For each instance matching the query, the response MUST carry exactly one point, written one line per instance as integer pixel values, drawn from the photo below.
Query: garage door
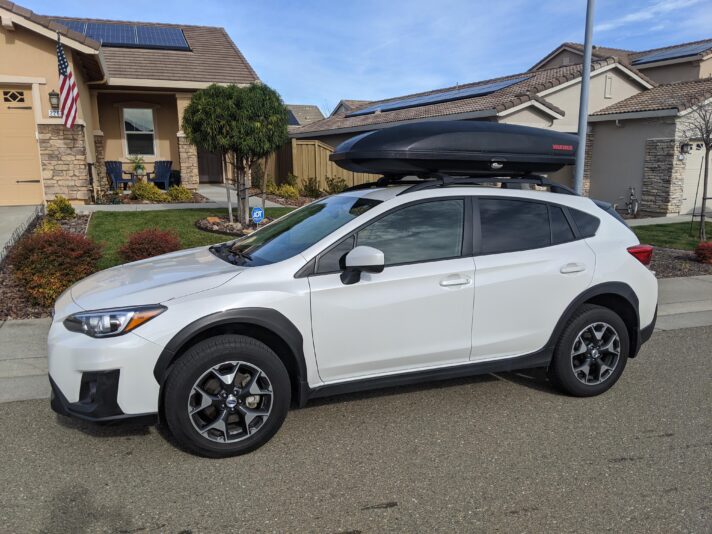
(692, 192)
(19, 156)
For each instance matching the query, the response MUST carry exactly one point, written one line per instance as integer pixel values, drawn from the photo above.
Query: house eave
(651, 114)
(676, 61)
(378, 126)
(164, 84)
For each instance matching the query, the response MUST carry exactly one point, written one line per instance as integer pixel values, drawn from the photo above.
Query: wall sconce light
(685, 148)
(54, 104)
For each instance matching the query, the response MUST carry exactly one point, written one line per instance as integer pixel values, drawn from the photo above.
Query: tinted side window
(421, 232)
(560, 228)
(332, 260)
(587, 224)
(509, 225)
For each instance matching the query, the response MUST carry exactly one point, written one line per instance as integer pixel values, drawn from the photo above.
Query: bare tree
(696, 125)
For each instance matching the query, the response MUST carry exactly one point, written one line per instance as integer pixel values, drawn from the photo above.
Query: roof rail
(440, 180)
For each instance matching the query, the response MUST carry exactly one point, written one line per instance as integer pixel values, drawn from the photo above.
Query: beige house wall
(563, 58)
(529, 116)
(568, 98)
(618, 155)
(110, 108)
(677, 72)
(706, 68)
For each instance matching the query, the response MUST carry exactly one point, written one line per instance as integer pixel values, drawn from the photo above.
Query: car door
(415, 314)
(529, 267)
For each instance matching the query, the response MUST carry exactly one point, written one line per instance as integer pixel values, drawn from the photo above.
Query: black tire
(196, 364)
(562, 368)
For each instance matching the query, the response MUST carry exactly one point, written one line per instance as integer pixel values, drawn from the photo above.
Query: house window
(138, 127)
(13, 96)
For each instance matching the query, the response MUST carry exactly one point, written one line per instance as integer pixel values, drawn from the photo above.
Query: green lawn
(676, 235)
(111, 228)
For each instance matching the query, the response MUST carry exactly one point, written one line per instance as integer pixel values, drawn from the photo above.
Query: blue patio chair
(161, 173)
(115, 172)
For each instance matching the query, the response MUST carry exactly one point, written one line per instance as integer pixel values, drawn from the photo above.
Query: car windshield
(295, 232)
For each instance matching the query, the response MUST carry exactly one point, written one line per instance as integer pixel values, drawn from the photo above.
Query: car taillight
(642, 253)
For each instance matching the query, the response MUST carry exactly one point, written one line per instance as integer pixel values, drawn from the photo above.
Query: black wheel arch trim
(266, 318)
(619, 289)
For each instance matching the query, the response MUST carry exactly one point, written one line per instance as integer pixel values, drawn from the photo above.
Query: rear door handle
(570, 268)
(449, 282)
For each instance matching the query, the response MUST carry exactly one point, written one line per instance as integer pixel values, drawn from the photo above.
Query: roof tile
(675, 96)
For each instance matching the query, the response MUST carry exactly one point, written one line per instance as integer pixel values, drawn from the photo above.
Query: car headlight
(112, 322)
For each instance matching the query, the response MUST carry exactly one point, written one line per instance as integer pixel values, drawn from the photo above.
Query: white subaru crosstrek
(368, 288)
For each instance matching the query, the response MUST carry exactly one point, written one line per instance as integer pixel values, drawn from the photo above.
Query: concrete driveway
(11, 218)
(497, 453)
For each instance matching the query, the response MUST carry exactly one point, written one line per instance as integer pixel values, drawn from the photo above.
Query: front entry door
(209, 167)
(20, 180)
(415, 314)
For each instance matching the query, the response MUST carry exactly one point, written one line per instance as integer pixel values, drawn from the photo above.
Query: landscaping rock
(671, 263)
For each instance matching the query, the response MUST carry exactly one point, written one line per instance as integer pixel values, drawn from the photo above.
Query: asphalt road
(496, 453)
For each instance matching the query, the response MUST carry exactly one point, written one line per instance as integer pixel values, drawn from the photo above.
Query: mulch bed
(14, 303)
(292, 202)
(671, 263)
(221, 225)
(126, 199)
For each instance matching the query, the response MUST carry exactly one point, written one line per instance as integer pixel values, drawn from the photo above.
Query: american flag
(68, 94)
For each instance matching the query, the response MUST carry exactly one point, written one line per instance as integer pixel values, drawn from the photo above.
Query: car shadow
(127, 428)
(531, 378)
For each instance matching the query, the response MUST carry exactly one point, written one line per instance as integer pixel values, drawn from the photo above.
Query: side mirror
(362, 260)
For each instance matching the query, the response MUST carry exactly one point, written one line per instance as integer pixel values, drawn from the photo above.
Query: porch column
(187, 153)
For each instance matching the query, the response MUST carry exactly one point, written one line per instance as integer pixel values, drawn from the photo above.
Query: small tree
(697, 126)
(210, 122)
(262, 129)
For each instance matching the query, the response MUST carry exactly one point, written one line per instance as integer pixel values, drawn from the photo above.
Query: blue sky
(319, 51)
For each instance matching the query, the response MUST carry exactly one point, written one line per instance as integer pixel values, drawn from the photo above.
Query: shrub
(148, 191)
(148, 243)
(178, 193)
(47, 225)
(287, 191)
(704, 252)
(311, 188)
(60, 208)
(291, 179)
(47, 263)
(271, 187)
(335, 185)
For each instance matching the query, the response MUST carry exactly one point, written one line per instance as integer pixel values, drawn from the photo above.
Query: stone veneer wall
(101, 181)
(64, 161)
(188, 155)
(663, 178)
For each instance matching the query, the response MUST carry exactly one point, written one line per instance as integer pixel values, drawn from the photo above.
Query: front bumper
(102, 379)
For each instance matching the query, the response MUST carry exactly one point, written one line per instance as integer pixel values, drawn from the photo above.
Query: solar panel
(130, 35)
(161, 37)
(438, 98)
(112, 34)
(682, 51)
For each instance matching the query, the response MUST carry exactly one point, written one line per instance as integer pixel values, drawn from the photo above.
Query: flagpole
(583, 103)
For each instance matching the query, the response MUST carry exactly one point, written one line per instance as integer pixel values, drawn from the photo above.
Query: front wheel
(591, 353)
(226, 396)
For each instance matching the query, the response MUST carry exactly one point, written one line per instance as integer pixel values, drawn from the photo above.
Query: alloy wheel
(595, 353)
(230, 401)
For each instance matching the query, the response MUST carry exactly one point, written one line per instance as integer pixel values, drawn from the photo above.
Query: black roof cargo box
(457, 148)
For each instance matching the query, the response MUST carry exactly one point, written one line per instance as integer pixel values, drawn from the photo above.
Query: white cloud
(649, 13)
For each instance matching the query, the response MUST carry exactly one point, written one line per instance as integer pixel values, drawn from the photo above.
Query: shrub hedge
(148, 243)
(47, 263)
(148, 191)
(704, 251)
(178, 193)
(60, 208)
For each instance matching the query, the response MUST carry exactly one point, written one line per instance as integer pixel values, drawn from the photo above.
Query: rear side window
(561, 231)
(587, 224)
(511, 225)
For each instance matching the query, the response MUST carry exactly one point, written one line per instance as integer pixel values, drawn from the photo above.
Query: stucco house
(545, 98)
(637, 102)
(134, 81)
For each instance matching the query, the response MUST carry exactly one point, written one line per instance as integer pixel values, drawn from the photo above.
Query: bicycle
(632, 205)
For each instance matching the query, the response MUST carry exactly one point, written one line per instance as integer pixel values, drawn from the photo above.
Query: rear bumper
(646, 332)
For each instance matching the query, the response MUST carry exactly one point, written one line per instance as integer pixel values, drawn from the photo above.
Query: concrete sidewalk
(683, 303)
(13, 218)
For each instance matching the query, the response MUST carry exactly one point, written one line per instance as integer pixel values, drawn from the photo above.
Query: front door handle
(570, 268)
(449, 282)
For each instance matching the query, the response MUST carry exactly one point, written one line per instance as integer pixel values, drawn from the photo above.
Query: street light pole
(583, 104)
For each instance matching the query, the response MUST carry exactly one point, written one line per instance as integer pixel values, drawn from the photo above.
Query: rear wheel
(591, 353)
(226, 396)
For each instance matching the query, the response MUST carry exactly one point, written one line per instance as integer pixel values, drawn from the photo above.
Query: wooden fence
(310, 158)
